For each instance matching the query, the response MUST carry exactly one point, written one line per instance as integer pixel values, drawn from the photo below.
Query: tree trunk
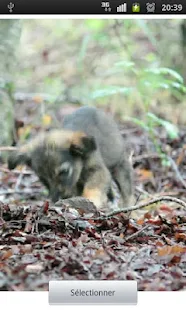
(9, 39)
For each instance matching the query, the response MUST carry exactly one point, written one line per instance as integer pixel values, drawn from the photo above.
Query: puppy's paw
(95, 196)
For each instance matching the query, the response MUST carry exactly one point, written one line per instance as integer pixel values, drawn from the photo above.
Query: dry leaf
(34, 268)
(46, 120)
(24, 132)
(165, 208)
(6, 254)
(180, 236)
(145, 175)
(37, 99)
(140, 221)
(167, 250)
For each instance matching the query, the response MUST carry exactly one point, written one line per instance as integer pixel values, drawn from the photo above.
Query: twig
(136, 233)
(142, 191)
(109, 253)
(13, 191)
(128, 131)
(6, 170)
(145, 156)
(172, 162)
(176, 170)
(140, 206)
(116, 27)
(8, 148)
(173, 193)
(19, 179)
(30, 96)
(145, 204)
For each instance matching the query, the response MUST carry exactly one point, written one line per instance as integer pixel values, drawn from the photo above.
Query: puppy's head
(57, 157)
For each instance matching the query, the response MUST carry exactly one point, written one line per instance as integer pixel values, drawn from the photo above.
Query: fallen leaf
(145, 175)
(46, 120)
(167, 250)
(45, 207)
(180, 236)
(147, 215)
(140, 221)
(6, 254)
(24, 132)
(159, 243)
(166, 208)
(181, 156)
(37, 99)
(34, 268)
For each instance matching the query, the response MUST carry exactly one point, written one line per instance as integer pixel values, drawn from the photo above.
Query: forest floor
(40, 241)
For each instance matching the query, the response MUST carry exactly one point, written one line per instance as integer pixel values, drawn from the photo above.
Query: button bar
(92, 292)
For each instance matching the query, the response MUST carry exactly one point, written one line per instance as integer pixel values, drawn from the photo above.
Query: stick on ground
(142, 205)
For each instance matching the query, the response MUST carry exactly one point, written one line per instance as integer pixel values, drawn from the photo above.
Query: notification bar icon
(10, 7)
(135, 7)
(122, 8)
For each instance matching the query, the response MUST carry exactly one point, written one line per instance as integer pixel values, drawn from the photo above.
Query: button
(92, 292)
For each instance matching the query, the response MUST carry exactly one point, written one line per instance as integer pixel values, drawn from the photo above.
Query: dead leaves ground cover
(40, 241)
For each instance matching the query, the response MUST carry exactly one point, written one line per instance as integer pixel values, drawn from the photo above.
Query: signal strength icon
(122, 8)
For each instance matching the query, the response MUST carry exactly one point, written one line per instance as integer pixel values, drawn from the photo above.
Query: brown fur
(54, 139)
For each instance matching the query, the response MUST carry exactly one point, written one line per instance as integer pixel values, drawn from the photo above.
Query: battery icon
(135, 7)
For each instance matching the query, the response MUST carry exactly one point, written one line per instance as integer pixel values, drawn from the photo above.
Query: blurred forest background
(133, 68)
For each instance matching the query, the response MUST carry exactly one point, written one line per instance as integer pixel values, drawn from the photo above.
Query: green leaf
(124, 64)
(95, 24)
(171, 129)
(165, 162)
(150, 57)
(137, 122)
(145, 28)
(83, 49)
(112, 90)
(178, 86)
(165, 71)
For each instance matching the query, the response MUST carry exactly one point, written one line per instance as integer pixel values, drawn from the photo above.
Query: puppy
(81, 159)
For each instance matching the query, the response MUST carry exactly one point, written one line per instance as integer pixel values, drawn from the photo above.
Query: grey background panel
(93, 292)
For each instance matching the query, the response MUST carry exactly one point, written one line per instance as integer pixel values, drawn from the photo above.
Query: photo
(92, 152)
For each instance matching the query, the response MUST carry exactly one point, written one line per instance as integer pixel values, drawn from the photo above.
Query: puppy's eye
(65, 169)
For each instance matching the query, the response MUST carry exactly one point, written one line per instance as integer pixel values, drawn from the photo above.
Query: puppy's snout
(63, 194)
(55, 195)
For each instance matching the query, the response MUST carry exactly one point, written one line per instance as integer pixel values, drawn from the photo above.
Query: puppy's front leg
(97, 186)
(95, 195)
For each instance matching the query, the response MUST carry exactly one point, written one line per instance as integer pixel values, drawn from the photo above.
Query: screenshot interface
(92, 153)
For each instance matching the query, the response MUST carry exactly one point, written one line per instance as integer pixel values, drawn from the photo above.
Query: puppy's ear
(86, 145)
(19, 158)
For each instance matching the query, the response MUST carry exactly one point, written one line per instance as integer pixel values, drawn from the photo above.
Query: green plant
(147, 85)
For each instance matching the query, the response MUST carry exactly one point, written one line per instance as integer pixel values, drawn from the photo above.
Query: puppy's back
(96, 123)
